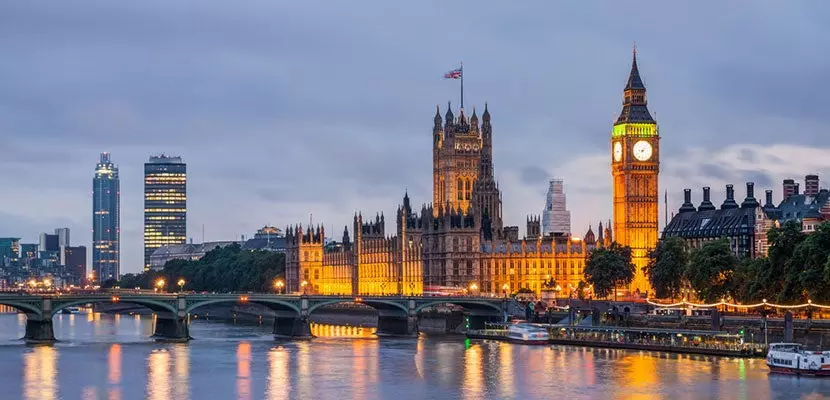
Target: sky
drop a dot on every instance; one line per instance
(284, 110)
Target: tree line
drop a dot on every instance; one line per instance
(223, 269)
(796, 268)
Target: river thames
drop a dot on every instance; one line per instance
(112, 357)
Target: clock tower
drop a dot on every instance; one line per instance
(635, 165)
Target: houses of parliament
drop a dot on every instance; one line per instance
(459, 240)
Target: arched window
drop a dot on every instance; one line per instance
(305, 256)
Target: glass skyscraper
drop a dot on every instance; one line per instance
(106, 221)
(165, 204)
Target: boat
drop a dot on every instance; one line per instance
(791, 358)
(527, 334)
(70, 310)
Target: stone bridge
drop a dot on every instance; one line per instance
(396, 315)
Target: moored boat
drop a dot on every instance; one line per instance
(70, 310)
(791, 358)
(527, 334)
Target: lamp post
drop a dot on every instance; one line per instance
(304, 284)
(279, 284)
(473, 288)
(181, 284)
(504, 289)
(160, 284)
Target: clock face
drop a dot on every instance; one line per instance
(642, 150)
(617, 151)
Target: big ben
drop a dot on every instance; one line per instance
(635, 165)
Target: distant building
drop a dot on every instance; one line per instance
(165, 204)
(9, 251)
(106, 220)
(63, 236)
(556, 219)
(186, 251)
(811, 185)
(48, 243)
(74, 260)
(268, 238)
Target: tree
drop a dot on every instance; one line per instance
(666, 265)
(710, 269)
(809, 262)
(781, 279)
(745, 280)
(609, 268)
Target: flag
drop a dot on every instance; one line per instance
(454, 74)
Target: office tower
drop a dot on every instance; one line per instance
(9, 251)
(48, 242)
(74, 259)
(63, 236)
(106, 221)
(556, 218)
(165, 204)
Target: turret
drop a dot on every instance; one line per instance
(589, 237)
(687, 202)
(729, 203)
(474, 121)
(706, 204)
(449, 117)
(600, 235)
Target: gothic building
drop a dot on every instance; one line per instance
(459, 239)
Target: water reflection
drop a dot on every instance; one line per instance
(243, 371)
(114, 376)
(506, 370)
(278, 382)
(158, 375)
(473, 387)
(325, 330)
(40, 368)
(303, 371)
(181, 367)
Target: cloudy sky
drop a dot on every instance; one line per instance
(282, 109)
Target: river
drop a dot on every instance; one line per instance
(111, 357)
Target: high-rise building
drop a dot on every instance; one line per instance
(63, 236)
(556, 219)
(74, 259)
(9, 251)
(48, 242)
(635, 165)
(165, 204)
(106, 221)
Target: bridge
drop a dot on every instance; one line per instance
(397, 315)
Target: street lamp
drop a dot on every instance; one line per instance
(181, 284)
(279, 284)
(47, 283)
(304, 284)
(473, 288)
(504, 289)
(160, 284)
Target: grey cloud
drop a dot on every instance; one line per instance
(533, 175)
(715, 171)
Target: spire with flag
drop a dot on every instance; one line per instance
(457, 74)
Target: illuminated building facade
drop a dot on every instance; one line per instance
(635, 165)
(106, 221)
(165, 204)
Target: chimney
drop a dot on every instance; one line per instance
(811, 185)
(795, 190)
(687, 202)
(706, 204)
(729, 203)
(789, 188)
(768, 203)
(749, 201)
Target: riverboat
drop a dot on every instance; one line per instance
(791, 358)
(70, 310)
(527, 334)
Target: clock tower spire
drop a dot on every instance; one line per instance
(635, 165)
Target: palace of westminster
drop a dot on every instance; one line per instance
(460, 239)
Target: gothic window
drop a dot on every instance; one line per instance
(455, 268)
(468, 189)
(305, 256)
(454, 244)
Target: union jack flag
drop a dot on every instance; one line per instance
(454, 74)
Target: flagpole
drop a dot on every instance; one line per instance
(462, 85)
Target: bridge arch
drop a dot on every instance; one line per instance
(270, 303)
(154, 305)
(377, 304)
(28, 309)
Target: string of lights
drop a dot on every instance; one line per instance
(763, 303)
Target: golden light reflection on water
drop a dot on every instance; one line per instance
(181, 368)
(278, 386)
(325, 330)
(473, 387)
(304, 380)
(40, 369)
(364, 368)
(243, 371)
(640, 374)
(158, 375)
(506, 370)
(114, 368)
